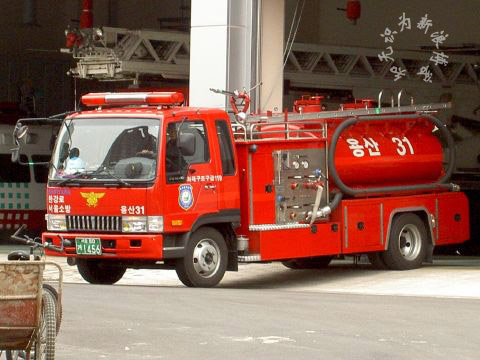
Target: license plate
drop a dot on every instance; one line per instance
(88, 246)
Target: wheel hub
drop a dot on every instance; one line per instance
(206, 258)
(410, 242)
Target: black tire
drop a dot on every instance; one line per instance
(407, 245)
(205, 261)
(44, 347)
(100, 272)
(376, 259)
(317, 262)
(58, 305)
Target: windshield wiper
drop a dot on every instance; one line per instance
(89, 174)
(76, 176)
(66, 113)
(103, 169)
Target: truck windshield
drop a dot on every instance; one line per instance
(115, 149)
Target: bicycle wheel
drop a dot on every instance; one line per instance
(58, 304)
(45, 342)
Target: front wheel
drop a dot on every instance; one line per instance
(205, 261)
(44, 348)
(100, 272)
(407, 244)
(58, 304)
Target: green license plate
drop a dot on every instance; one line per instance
(88, 246)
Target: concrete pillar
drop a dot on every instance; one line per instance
(220, 49)
(270, 55)
(234, 45)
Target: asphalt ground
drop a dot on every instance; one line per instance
(164, 322)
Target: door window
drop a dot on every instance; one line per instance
(226, 149)
(177, 164)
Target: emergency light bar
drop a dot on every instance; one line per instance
(133, 98)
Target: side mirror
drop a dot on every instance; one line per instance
(64, 152)
(187, 144)
(20, 131)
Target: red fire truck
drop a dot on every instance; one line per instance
(138, 181)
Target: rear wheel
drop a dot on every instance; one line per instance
(205, 261)
(316, 262)
(407, 244)
(100, 272)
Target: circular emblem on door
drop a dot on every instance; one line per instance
(185, 196)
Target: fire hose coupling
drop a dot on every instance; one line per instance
(455, 187)
(313, 185)
(321, 213)
(326, 210)
(319, 174)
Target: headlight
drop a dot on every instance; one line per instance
(56, 222)
(134, 224)
(155, 223)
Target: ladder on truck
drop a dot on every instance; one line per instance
(251, 127)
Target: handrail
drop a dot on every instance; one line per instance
(287, 131)
(400, 97)
(380, 95)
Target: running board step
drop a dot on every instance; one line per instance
(249, 258)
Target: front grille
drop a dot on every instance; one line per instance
(94, 223)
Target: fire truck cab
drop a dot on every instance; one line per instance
(131, 186)
(142, 182)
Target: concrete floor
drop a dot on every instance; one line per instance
(453, 277)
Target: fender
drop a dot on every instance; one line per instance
(431, 220)
(174, 244)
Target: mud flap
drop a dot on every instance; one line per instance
(429, 254)
(232, 260)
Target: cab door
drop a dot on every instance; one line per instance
(191, 189)
(229, 184)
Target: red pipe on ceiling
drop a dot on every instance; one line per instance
(86, 18)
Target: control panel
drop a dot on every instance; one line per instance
(300, 175)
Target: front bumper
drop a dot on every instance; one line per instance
(118, 246)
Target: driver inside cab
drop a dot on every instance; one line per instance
(175, 162)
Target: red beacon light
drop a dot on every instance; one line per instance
(133, 98)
